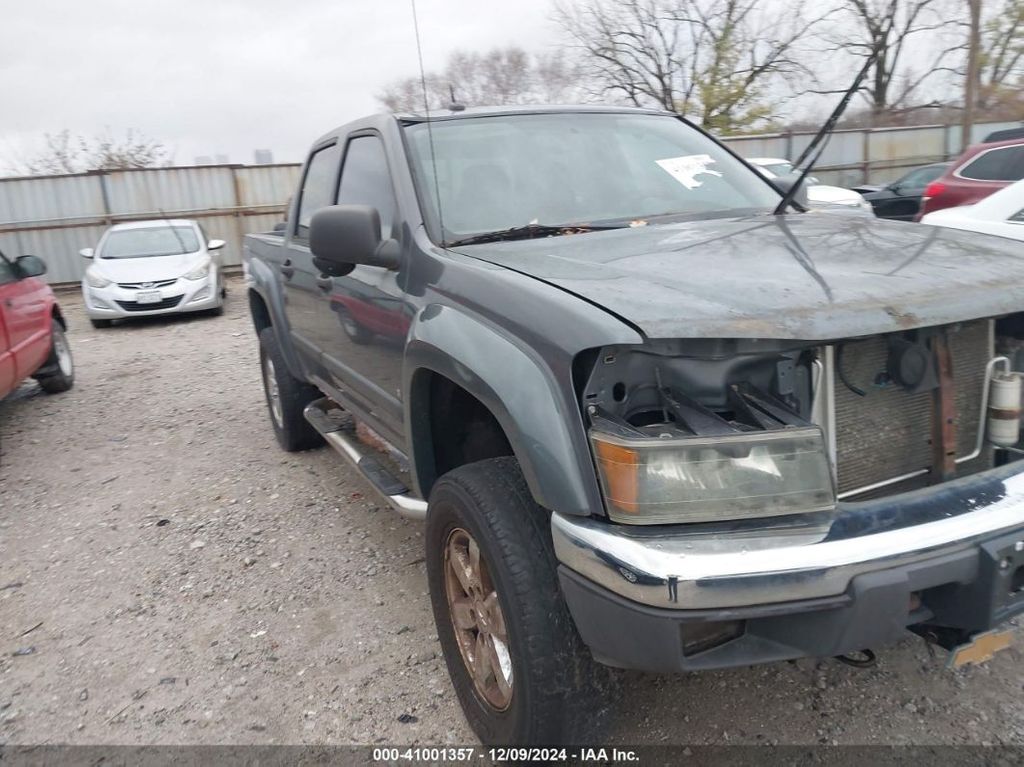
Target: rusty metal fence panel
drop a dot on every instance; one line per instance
(867, 156)
(55, 216)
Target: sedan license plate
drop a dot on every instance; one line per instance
(148, 297)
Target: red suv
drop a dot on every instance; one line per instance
(32, 341)
(981, 170)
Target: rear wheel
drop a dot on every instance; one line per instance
(519, 668)
(60, 365)
(287, 397)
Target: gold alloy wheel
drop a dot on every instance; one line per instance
(477, 619)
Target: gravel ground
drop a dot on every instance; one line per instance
(168, 575)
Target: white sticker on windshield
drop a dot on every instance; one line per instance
(686, 169)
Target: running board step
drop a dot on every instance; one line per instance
(341, 439)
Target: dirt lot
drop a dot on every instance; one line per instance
(167, 575)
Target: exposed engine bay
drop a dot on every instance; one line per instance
(880, 415)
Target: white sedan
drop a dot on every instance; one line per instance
(1001, 213)
(152, 267)
(819, 195)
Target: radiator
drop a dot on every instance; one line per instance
(887, 433)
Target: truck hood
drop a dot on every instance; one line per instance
(814, 276)
(147, 268)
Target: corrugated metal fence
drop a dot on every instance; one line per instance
(55, 216)
(873, 156)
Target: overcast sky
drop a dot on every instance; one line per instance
(213, 77)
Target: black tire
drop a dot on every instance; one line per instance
(558, 693)
(356, 332)
(101, 323)
(291, 428)
(59, 366)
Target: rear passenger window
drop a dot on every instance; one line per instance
(365, 180)
(1004, 164)
(318, 186)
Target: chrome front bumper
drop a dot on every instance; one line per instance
(687, 569)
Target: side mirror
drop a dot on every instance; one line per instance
(30, 266)
(87, 252)
(215, 244)
(350, 234)
(785, 183)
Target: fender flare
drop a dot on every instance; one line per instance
(262, 281)
(533, 404)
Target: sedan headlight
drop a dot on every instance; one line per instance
(199, 271)
(96, 280)
(709, 479)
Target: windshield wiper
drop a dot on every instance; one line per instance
(531, 231)
(815, 149)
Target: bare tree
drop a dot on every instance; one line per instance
(133, 150)
(720, 61)
(895, 28)
(64, 152)
(499, 76)
(1001, 59)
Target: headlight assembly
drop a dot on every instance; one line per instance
(748, 475)
(199, 271)
(96, 280)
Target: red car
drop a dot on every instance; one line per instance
(981, 170)
(32, 340)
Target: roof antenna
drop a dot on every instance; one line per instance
(426, 111)
(455, 106)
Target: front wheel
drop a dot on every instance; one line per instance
(519, 668)
(59, 366)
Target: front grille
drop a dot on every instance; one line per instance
(167, 303)
(146, 285)
(888, 432)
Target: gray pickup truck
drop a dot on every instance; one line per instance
(650, 421)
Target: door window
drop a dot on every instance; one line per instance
(919, 179)
(1003, 164)
(365, 180)
(317, 186)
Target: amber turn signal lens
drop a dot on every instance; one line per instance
(620, 467)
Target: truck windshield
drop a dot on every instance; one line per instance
(151, 241)
(511, 172)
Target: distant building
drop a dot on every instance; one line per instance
(263, 157)
(220, 159)
(204, 159)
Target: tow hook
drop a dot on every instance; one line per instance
(858, 658)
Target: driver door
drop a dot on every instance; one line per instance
(364, 317)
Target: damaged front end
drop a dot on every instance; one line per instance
(774, 499)
(705, 431)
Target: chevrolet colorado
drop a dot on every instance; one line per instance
(650, 420)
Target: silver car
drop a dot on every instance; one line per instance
(152, 267)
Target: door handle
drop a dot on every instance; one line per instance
(326, 284)
(287, 269)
